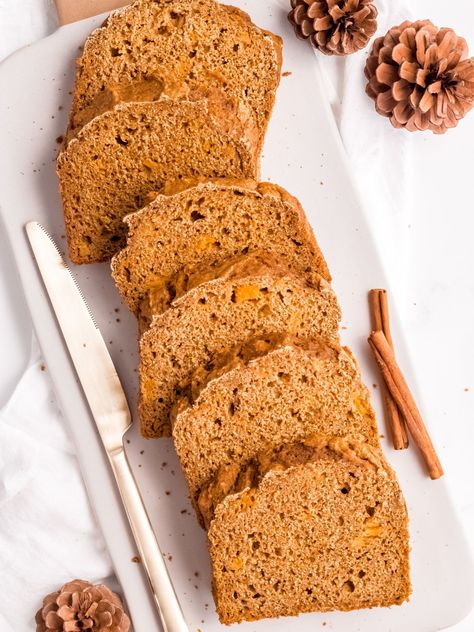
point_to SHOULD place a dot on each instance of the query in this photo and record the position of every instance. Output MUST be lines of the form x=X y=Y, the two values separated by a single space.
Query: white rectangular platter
x=303 y=152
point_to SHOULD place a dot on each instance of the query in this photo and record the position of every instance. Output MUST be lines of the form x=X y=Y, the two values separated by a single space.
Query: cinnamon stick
x=401 y=393
x=378 y=304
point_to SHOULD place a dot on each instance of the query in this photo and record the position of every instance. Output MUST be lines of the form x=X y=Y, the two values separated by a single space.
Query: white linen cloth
x=48 y=535
x=47 y=531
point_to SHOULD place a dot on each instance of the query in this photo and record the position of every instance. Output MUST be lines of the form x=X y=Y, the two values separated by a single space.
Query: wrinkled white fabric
x=48 y=535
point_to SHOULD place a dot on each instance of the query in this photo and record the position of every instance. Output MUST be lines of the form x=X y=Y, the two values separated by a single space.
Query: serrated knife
x=109 y=408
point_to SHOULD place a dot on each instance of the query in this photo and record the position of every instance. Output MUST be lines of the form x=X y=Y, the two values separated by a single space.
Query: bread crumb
x=466 y=390
x=196 y=573
x=287 y=73
x=136 y=560
x=374 y=385
x=142 y=451
x=42 y=367
x=60 y=140
x=128 y=440
x=183 y=511
x=170 y=558
x=167 y=492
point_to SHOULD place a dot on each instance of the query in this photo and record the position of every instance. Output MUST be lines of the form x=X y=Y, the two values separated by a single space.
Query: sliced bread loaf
x=214 y=317
x=177 y=237
x=172 y=47
x=264 y=393
x=160 y=297
x=121 y=156
x=314 y=526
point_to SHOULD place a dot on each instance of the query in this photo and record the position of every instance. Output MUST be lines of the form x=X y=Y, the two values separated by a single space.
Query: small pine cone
x=335 y=27
x=420 y=77
x=78 y=606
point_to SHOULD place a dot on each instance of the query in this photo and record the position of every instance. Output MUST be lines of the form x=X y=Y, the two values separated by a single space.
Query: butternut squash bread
x=266 y=392
x=121 y=156
x=176 y=237
x=216 y=316
x=155 y=47
x=314 y=526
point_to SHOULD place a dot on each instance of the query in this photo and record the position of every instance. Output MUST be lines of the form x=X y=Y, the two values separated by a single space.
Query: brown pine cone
x=420 y=77
x=335 y=27
x=78 y=606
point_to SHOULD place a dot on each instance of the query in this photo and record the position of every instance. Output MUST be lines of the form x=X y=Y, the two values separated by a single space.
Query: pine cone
x=335 y=27
x=79 y=606
x=420 y=77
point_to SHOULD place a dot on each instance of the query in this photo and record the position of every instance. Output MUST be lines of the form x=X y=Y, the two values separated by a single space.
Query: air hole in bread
x=196 y=215
x=348 y=586
x=361 y=574
x=346 y=489
x=121 y=141
x=114 y=52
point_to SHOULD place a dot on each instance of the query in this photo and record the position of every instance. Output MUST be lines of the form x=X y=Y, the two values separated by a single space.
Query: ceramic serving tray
x=303 y=153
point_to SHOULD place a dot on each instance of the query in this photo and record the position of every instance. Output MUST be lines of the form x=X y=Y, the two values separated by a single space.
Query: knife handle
x=171 y=615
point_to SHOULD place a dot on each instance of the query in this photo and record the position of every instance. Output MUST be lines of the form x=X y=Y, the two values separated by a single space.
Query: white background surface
x=432 y=274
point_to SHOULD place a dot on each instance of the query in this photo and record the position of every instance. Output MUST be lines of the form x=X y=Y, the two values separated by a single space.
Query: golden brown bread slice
x=217 y=315
x=314 y=526
x=123 y=155
x=266 y=392
x=179 y=236
x=173 y=47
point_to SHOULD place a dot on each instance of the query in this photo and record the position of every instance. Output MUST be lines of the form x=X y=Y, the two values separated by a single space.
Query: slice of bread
x=123 y=155
x=155 y=47
x=216 y=316
x=315 y=526
x=267 y=392
x=177 y=237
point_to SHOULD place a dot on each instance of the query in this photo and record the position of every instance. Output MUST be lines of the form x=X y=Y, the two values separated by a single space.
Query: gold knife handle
x=167 y=602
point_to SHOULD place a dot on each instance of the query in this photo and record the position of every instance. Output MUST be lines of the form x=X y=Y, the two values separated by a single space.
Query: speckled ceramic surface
x=304 y=154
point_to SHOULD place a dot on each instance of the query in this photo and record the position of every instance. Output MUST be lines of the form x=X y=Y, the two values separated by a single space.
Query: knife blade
x=109 y=407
